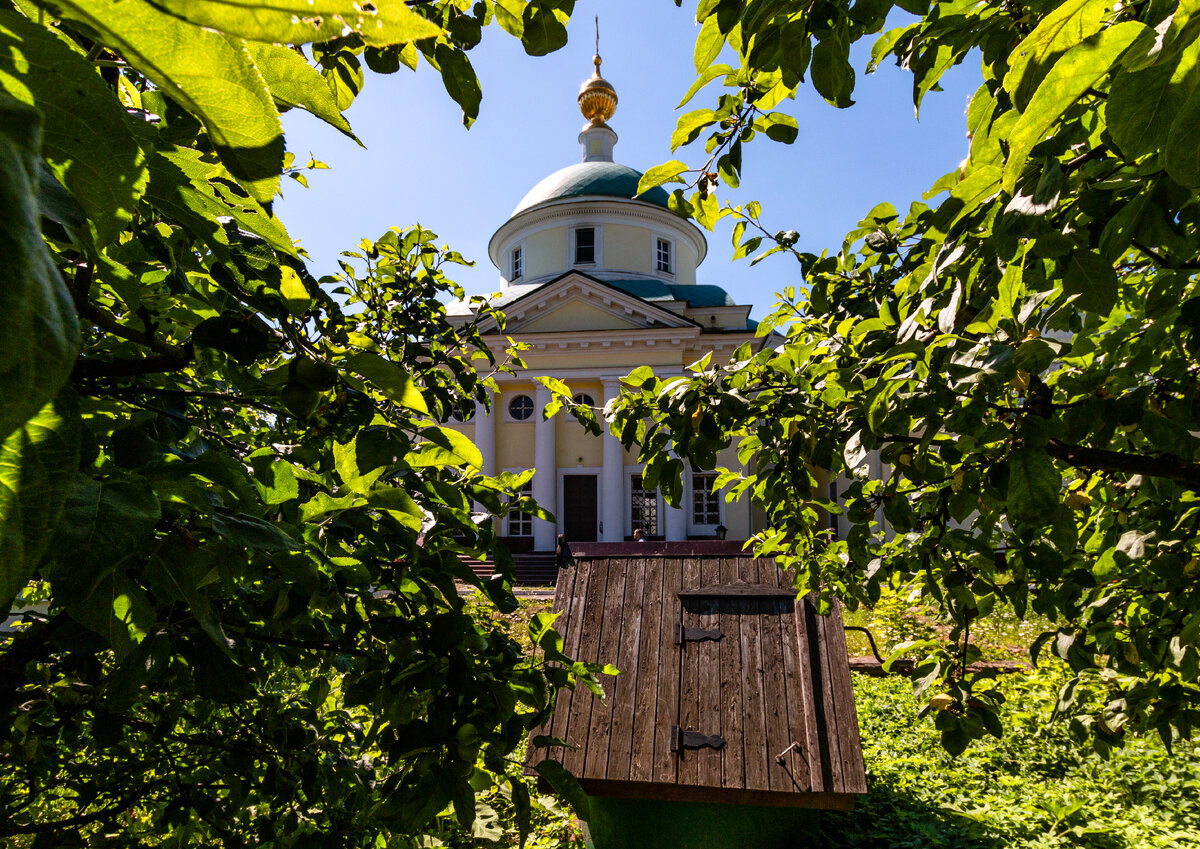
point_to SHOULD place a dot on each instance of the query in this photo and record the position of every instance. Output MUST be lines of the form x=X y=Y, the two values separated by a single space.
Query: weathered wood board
x=731 y=689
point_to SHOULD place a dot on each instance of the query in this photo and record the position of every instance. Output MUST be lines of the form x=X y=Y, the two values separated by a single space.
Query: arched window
x=584 y=400
x=520 y=408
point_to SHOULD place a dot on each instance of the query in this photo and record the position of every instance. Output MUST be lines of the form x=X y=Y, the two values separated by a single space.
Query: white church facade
x=597 y=282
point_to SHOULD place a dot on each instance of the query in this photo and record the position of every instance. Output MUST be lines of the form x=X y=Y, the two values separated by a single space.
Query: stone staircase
x=534 y=568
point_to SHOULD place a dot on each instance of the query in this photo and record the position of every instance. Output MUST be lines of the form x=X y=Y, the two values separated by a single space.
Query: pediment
x=579 y=303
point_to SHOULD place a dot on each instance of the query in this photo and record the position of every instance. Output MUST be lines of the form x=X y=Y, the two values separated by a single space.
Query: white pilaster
x=612 y=481
x=675 y=520
x=485 y=433
x=545 y=479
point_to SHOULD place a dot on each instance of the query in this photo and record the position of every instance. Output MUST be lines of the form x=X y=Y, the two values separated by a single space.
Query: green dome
x=591 y=178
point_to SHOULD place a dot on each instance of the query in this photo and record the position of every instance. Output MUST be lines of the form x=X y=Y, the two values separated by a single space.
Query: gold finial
x=597 y=97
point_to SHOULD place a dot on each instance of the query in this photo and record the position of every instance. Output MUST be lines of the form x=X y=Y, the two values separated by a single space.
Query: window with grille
x=643 y=507
x=585 y=245
x=518 y=266
x=706 y=504
x=520 y=408
x=521 y=524
x=662 y=255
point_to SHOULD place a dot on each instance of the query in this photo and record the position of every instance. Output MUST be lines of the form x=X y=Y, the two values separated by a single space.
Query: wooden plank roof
x=760 y=680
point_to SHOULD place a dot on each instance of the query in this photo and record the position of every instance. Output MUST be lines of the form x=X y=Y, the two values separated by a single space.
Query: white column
x=485 y=434
x=612 y=481
x=545 y=479
x=675 y=520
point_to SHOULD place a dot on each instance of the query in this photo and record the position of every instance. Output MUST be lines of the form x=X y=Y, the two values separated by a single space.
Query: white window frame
x=507 y=400
x=660 y=516
x=597 y=249
x=523 y=519
x=671 y=256
x=516 y=258
x=690 y=492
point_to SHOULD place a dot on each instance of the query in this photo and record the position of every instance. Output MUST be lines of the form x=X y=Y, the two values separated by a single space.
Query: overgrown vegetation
x=1020 y=351
x=1035 y=788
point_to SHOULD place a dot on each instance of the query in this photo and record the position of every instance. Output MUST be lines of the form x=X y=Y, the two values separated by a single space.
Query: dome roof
x=591 y=178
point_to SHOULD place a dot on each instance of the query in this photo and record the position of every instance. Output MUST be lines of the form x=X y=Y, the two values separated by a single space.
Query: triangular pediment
x=578 y=303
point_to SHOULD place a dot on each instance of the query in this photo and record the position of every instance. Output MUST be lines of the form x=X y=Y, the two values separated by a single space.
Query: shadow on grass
x=884 y=819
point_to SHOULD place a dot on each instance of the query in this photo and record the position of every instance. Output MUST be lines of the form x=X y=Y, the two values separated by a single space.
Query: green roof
x=694 y=296
x=591 y=178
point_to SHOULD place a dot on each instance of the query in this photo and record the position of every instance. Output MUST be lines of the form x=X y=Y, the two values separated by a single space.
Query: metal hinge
x=695 y=635
x=681 y=740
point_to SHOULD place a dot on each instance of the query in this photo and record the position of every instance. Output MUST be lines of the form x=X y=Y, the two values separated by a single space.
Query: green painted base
x=642 y=823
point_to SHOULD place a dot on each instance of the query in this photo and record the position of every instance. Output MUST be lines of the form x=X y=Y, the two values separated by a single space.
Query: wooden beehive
x=731 y=690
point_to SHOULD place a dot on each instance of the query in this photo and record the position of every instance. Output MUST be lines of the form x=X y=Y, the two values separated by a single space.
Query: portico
x=597 y=280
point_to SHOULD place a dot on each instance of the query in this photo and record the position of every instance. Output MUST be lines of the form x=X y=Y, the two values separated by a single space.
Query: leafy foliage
x=1021 y=354
x=230 y=517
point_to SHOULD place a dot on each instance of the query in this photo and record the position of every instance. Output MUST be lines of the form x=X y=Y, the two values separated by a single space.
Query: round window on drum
x=520 y=408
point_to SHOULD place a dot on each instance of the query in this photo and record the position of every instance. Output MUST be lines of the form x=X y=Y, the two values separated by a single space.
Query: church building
x=598 y=282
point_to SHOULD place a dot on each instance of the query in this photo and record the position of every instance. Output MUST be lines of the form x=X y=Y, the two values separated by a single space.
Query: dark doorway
x=579 y=508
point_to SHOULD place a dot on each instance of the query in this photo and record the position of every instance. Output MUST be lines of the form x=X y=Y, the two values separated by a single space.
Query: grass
x=1033 y=789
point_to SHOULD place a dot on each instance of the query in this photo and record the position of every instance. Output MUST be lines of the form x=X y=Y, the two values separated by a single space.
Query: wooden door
x=580 y=516
x=741 y=694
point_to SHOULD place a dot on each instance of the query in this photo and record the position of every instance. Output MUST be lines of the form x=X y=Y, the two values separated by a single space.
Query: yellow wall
x=546 y=252
x=514 y=445
x=571 y=442
x=626 y=248
x=575 y=315
x=685 y=262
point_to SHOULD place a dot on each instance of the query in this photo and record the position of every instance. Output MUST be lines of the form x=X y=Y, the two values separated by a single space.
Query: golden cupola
x=597 y=102
x=597 y=97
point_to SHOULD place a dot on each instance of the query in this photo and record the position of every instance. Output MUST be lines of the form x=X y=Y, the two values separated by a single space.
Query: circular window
x=521 y=407
x=584 y=400
x=463 y=410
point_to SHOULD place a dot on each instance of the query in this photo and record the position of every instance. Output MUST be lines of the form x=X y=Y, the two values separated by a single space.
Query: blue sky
x=420 y=165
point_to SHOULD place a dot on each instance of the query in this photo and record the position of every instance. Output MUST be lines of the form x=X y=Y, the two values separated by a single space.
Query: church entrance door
x=580 y=515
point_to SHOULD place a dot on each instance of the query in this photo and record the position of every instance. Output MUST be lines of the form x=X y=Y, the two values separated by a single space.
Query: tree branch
x=1163 y=466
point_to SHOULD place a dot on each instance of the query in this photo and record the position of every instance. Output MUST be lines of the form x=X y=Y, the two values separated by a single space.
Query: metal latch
x=695 y=635
x=681 y=740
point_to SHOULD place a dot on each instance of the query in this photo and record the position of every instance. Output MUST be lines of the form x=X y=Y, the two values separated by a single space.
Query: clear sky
x=422 y=166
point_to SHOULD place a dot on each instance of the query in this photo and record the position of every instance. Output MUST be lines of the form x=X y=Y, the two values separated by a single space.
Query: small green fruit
x=300 y=400
x=315 y=375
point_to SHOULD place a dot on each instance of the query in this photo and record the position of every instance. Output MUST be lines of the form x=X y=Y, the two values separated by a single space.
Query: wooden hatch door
x=744 y=718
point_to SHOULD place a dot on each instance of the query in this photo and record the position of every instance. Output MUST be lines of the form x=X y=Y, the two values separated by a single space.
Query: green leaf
x=1079 y=69
x=668 y=172
x=209 y=74
x=460 y=81
x=40 y=336
x=1091 y=277
x=253 y=532
x=567 y=786
x=1182 y=154
x=37 y=464
x=542 y=30
x=395 y=383
x=445 y=447
x=708 y=44
x=778 y=127
x=1141 y=108
x=689 y=126
x=704 y=79
x=85 y=137
x=1033 y=485
x=102 y=523
x=300 y=21
x=295 y=83
x=1064 y=27
x=185 y=184
x=832 y=74
x=508 y=15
